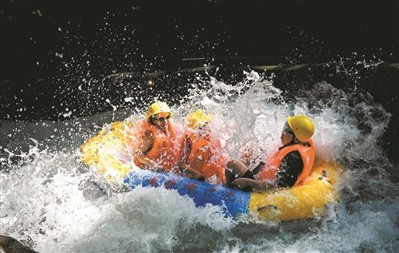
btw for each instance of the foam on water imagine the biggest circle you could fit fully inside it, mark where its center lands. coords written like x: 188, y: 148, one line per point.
x: 53, y: 203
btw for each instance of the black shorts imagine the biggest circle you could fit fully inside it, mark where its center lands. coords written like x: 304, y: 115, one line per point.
x: 249, y: 174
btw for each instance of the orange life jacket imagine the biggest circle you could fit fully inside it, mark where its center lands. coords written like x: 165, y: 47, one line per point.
x: 308, y: 153
x: 206, y: 157
x: 166, y: 149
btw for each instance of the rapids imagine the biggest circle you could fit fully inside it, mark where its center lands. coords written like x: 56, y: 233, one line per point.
x: 70, y: 68
x: 52, y: 202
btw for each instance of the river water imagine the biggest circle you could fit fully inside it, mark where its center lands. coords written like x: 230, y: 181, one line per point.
x: 47, y: 201
x: 53, y: 202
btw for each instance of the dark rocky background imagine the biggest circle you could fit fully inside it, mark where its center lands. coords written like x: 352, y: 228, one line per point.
x: 63, y: 59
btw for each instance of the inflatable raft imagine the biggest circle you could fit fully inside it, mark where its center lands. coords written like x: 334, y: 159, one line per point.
x: 107, y: 153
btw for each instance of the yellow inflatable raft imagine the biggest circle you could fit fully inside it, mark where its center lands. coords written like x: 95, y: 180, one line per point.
x: 107, y: 153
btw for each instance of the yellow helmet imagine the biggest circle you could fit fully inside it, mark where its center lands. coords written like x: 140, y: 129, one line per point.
x: 158, y: 107
x: 198, y: 119
x: 302, y: 126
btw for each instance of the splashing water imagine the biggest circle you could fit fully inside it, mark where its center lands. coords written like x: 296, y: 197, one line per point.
x: 50, y: 201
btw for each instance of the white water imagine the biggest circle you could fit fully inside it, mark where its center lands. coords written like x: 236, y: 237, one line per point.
x: 48, y: 201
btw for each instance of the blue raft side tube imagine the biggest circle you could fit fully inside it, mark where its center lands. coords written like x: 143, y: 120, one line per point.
x: 233, y: 202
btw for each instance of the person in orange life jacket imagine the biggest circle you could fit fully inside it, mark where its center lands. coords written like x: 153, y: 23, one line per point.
x: 203, y: 158
x: 289, y: 166
x: 159, y: 145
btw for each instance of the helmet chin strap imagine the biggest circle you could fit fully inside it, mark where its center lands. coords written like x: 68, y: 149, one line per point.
x: 297, y: 141
x: 294, y: 140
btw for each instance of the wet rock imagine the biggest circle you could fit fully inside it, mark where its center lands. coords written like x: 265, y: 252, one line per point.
x: 12, y: 245
x: 92, y: 190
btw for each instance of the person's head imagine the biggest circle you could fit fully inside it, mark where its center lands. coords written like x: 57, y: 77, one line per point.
x: 299, y: 127
x: 198, y: 119
x: 158, y: 113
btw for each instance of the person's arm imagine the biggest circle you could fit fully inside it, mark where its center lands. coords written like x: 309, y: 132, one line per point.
x: 184, y: 165
x: 145, y: 146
